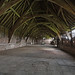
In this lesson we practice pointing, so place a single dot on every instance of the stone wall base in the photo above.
(4, 45)
(70, 50)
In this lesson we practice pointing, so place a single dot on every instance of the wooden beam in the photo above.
(65, 5)
(27, 17)
(1, 3)
(8, 5)
(59, 11)
(22, 20)
(14, 11)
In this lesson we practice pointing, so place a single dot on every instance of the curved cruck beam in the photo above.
(53, 29)
(36, 30)
(33, 26)
(21, 21)
(27, 17)
(66, 4)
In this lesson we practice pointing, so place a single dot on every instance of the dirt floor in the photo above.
(36, 60)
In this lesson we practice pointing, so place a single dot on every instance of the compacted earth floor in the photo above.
(36, 60)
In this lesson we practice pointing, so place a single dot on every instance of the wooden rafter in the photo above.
(65, 5)
(8, 5)
(22, 20)
(14, 11)
(59, 15)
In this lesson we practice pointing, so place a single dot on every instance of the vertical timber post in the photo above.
(57, 41)
(71, 41)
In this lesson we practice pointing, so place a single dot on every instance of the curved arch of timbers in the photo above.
(60, 23)
(34, 27)
(53, 29)
(42, 31)
(22, 20)
(35, 31)
(67, 5)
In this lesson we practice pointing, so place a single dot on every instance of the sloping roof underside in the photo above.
(36, 18)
